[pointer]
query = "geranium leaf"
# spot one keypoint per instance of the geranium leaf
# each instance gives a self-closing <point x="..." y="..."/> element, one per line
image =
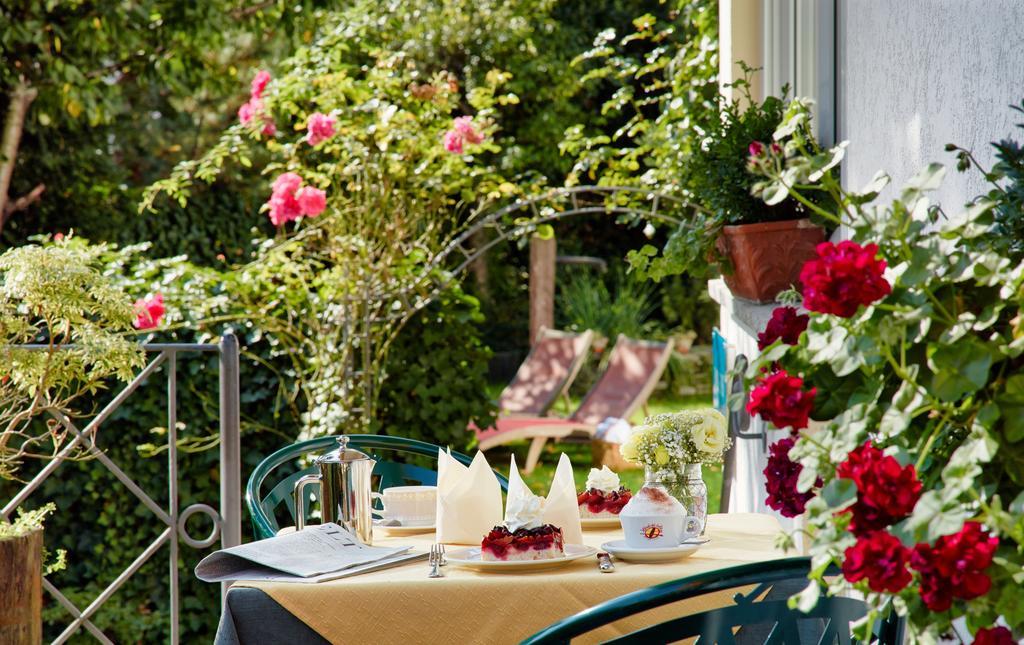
<point x="1011" y="407"/>
<point x="959" y="369"/>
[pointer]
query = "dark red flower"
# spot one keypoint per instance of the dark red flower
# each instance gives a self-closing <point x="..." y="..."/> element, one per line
<point x="787" y="324"/>
<point x="886" y="491"/>
<point x="994" y="636"/>
<point x="843" y="277"/>
<point x="879" y="558"/>
<point x="756" y="149"/>
<point x="955" y="566"/>
<point x="781" y="476"/>
<point x="781" y="400"/>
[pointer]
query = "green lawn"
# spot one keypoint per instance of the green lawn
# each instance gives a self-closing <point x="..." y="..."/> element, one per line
<point x="540" y="479"/>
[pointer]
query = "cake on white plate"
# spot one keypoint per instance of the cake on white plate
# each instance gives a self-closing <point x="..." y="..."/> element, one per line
<point x="523" y="536"/>
<point x="603" y="496"/>
<point x="541" y="543"/>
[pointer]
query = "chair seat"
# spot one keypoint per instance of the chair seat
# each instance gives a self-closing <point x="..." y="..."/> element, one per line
<point x="506" y="428"/>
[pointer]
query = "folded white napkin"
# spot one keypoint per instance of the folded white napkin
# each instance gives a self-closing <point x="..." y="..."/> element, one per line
<point x="468" y="499"/>
<point x="559" y="508"/>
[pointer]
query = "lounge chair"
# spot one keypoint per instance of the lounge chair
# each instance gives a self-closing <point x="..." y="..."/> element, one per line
<point x="548" y="371"/>
<point x="634" y="369"/>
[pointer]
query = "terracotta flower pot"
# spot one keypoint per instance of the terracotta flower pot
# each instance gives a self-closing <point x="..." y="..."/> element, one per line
<point x="21" y="591"/>
<point x="767" y="257"/>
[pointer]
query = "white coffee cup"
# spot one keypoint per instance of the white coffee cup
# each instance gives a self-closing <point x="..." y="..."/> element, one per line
<point x="410" y="505"/>
<point x="658" y="531"/>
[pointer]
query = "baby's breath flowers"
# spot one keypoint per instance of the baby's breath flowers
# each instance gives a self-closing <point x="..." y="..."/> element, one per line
<point x="667" y="442"/>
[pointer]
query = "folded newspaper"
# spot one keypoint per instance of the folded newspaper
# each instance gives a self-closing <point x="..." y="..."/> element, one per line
<point x="315" y="554"/>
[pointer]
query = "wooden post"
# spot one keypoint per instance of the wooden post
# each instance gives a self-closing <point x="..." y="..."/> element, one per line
<point x="21" y="590"/>
<point x="542" y="284"/>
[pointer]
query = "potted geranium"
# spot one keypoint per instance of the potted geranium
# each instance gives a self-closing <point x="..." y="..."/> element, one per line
<point x="912" y="354"/>
<point x="759" y="246"/>
<point x="56" y="297"/>
<point x="673" y="447"/>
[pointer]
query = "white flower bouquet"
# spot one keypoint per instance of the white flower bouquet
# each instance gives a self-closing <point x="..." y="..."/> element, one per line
<point x="665" y="443"/>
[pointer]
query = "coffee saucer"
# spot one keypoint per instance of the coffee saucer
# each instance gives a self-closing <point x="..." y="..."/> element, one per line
<point x="623" y="551"/>
<point x="404" y="529"/>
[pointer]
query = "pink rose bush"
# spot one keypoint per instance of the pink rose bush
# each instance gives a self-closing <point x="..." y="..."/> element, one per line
<point x="253" y="112"/>
<point x="149" y="312"/>
<point x="319" y="128"/>
<point x="290" y="200"/>
<point x="462" y="132"/>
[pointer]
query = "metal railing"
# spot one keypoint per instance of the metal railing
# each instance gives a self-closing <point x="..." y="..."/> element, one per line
<point x="227" y="524"/>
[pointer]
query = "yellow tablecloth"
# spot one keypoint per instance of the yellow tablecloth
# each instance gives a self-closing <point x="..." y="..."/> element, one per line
<point x="401" y="605"/>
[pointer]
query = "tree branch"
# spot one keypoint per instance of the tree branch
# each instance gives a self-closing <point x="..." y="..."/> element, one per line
<point x="14" y="124"/>
<point x="22" y="203"/>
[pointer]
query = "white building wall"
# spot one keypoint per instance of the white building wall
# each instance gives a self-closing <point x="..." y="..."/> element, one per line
<point x="914" y="75"/>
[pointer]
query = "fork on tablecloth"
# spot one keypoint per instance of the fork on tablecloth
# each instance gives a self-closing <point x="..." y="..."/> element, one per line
<point x="434" y="560"/>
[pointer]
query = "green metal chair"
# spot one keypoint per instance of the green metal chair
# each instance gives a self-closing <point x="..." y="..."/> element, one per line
<point x="262" y="508"/>
<point x="760" y="616"/>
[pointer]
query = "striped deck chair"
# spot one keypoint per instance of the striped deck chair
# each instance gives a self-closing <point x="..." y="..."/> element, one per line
<point x="634" y="369"/>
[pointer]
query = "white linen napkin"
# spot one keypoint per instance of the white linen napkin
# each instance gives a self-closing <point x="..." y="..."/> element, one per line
<point x="558" y="508"/>
<point x="468" y="499"/>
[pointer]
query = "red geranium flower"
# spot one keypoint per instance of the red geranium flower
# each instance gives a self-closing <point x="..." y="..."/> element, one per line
<point x="781" y="476"/>
<point x="886" y="491"/>
<point x="879" y="558"/>
<point x="781" y="400"/>
<point x="786" y="323"/>
<point x="994" y="636"/>
<point x="955" y="566"/>
<point x="843" y="277"/>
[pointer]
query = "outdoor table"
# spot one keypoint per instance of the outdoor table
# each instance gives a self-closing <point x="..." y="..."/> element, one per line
<point x="402" y="605"/>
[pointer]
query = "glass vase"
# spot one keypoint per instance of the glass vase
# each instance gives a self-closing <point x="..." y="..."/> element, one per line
<point x="689" y="488"/>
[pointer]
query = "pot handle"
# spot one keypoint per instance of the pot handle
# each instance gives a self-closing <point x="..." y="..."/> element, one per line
<point x="300" y="485"/>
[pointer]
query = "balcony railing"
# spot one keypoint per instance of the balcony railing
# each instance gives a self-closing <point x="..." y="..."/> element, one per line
<point x="227" y="523"/>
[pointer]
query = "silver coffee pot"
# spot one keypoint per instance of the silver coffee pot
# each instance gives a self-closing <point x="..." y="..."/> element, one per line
<point x="345" y="483"/>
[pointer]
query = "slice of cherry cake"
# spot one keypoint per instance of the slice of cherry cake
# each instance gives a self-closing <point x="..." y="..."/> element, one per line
<point x="598" y="503"/>
<point x="541" y="543"/>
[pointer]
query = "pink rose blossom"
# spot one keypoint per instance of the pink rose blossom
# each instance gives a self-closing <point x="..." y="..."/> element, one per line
<point x="259" y="84"/>
<point x="288" y="182"/>
<point x="149" y="312"/>
<point x="284" y="208"/>
<point x="464" y="126"/>
<point x="453" y="142"/>
<point x="246" y="113"/>
<point x="269" y="128"/>
<point x="312" y="201"/>
<point x="319" y="128"/>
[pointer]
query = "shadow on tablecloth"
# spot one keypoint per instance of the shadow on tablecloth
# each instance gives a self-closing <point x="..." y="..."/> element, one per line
<point x="251" y="617"/>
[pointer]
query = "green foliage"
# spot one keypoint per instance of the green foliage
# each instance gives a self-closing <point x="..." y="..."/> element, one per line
<point x="587" y="302"/>
<point x="57" y="296"/>
<point x="437" y="375"/>
<point x="929" y="373"/>
<point x="1007" y="194"/>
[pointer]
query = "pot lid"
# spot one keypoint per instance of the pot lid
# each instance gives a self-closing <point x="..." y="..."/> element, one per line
<point x="342" y="454"/>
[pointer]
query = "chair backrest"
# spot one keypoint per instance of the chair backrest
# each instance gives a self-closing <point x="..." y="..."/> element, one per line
<point x="758" y="615"/>
<point x="634" y="369"/>
<point x="548" y="371"/>
<point x="262" y="508"/>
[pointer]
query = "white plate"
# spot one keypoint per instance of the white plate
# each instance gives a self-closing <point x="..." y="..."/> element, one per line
<point x="470" y="558"/>
<point x="600" y="522"/>
<point x="405" y="530"/>
<point x="622" y="551"/>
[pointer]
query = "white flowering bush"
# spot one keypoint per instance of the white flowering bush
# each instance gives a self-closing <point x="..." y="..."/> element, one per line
<point x="665" y="443"/>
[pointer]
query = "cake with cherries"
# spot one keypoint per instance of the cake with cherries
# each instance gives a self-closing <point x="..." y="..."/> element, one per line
<point x="541" y="543"/>
<point x="603" y="496"/>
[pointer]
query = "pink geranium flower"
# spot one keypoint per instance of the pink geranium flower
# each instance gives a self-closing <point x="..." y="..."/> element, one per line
<point x="319" y="128"/>
<point x="259" y="84"/>
<point x="149" y="311"/>
<point x="246" y="113"/>
<point x="284" y="208"/>
<point x="312" y="201"/>
<point x="453" y="142"/>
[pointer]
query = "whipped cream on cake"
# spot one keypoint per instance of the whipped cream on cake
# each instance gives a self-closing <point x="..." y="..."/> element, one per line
<point x="604" y="496"/>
